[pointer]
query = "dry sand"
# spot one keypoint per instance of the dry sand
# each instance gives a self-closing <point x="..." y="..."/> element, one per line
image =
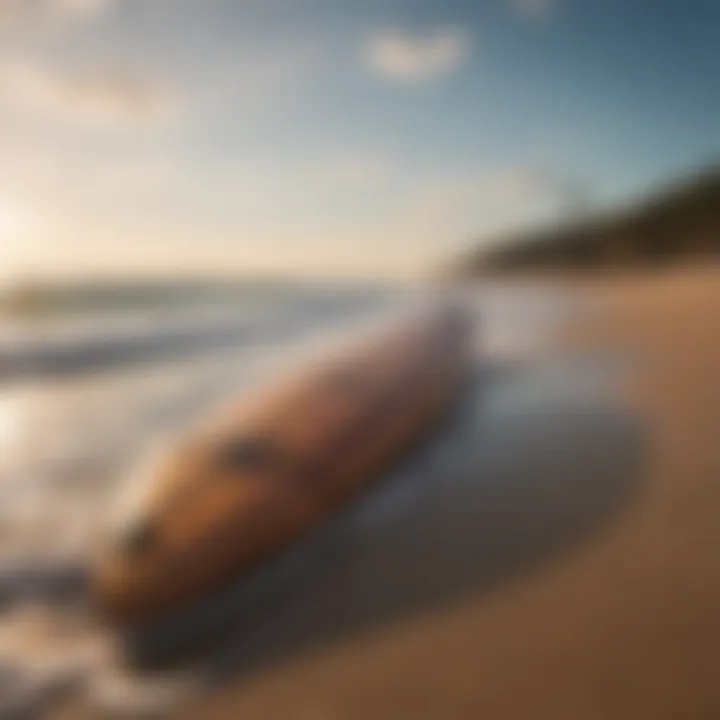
<point x="625" y="626"/>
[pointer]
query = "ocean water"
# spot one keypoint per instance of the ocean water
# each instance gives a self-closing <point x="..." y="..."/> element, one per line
<point x="84" y="395"/>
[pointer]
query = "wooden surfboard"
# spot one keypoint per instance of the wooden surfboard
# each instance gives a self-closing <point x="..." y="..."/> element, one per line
<point x="262" y="475"/>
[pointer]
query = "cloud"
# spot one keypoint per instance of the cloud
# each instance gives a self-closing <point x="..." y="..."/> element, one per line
<point x="403" y="57"/>
<point x="103" y="98"/>
<point x="535" y="10"/>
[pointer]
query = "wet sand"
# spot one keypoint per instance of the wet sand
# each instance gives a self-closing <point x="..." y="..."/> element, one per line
<point x="584" y="582"/>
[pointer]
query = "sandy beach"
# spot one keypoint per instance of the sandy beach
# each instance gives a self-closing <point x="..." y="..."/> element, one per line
<point x="622" y="621"/>
<point x="548" y="552"/>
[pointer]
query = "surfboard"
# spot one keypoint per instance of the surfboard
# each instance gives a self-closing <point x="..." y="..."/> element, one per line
<point x="270" y="469"/>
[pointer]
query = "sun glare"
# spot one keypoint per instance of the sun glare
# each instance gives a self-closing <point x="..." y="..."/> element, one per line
<point x="15" y="227"/>
<point x="12" y="221"/>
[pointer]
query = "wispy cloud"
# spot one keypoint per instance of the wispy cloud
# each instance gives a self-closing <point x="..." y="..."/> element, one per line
<point x="105" y="98"/>
<point x="534" y="10"/>
<point x="411" y="58"/>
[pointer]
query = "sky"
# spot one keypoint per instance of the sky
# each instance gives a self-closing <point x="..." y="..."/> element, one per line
<point x="321" y="137"/>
